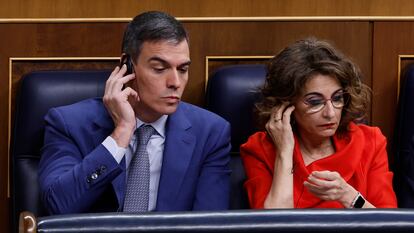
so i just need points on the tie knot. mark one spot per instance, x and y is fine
(143, 133)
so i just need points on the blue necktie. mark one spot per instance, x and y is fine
(137, 191)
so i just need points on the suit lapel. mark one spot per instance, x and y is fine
(178, 150)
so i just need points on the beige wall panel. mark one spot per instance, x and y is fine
(190, 8)
(391, 40)
(267, 38)
(46, 40)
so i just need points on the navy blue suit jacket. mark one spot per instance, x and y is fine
(77, 173)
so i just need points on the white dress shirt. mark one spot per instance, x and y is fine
(155, 149)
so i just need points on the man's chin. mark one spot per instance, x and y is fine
(170, 109)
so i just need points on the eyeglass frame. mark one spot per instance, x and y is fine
(344, 95)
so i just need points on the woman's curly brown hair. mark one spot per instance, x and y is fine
(288, 72)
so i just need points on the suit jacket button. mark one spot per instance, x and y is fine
(94, 176)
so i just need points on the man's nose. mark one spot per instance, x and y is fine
(173, 80)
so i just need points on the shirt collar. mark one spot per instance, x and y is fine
(159, 125)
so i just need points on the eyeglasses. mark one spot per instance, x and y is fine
(316, 102)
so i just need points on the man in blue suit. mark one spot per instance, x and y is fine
(89, 145)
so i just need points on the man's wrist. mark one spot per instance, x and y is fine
(116, 151)
(122, 135)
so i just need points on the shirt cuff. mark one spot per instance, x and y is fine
(113, 148)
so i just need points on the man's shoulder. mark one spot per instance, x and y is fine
(83, 106)
(196, 113)
(84, 110)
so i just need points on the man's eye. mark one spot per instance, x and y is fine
(158, 70)
(183, 70)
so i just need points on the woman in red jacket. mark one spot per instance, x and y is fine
(313, 154)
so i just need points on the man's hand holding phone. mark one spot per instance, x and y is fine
(117, 101)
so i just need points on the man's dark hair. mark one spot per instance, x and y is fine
(151, 26)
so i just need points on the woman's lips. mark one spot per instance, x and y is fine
(330, 125)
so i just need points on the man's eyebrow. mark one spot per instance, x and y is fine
(165, 63)
(158, 59)
(185, 64)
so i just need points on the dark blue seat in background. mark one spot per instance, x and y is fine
(231, 93)
(39, 91)
(403, 165)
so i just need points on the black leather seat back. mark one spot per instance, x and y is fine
(404, 142)
(231, 93)
(241, 221)
(39, 91)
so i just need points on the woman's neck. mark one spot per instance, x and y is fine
(314, 149)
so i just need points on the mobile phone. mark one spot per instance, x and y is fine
(126, 59)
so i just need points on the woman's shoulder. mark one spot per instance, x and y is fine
(258, 149)
(258, 136)
(255, 139)
(366, 131)
(258, 143)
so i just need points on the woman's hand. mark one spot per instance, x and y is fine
(279, 128)
(330, 186)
